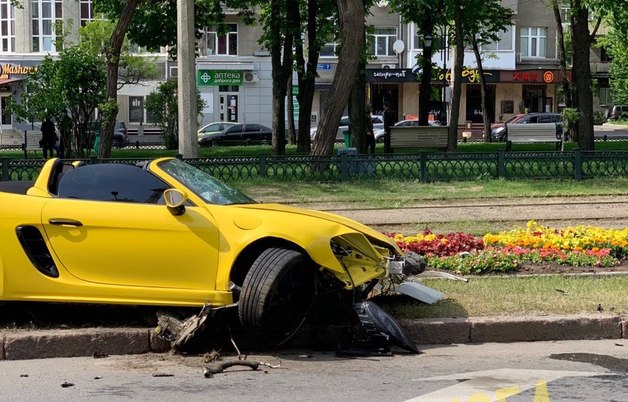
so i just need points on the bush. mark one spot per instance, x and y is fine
(599, 118)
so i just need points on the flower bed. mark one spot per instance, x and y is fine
(507, 251)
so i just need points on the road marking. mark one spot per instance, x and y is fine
(497, 385)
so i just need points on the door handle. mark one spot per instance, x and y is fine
(64, 222)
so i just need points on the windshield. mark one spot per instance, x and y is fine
(207, 187)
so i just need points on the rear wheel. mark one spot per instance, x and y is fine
(277, 294)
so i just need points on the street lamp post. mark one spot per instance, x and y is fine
(444, 52)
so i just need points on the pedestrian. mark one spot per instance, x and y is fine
(390, 118)
(370, 135)
(48, 137)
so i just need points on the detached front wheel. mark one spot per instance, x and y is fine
(277, 294)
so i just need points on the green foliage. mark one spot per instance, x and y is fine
(162, 104)
(570, 117)
(154, 23)
(94, 37)
(477, 263)
(68, 89)
(618, 49)
(598, 118)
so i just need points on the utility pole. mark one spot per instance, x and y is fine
(186, 77)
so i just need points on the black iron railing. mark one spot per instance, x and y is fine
(424, 167)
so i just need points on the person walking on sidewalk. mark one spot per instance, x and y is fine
(390, 118)
(48, 137)
(370, 134)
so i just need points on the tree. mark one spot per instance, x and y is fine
(351, 21)
(483, 20)
(320, 29)
(281, 17)
(132, 69)
(562, 53)
(617, 44)
(582, 40)
(162, 105)
(68, 89)
(112, 55)
(457, 9)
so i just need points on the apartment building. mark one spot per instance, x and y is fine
(233, 71)
(234, 74)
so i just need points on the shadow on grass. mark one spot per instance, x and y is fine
(405, 307)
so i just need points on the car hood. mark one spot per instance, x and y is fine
(329, 217)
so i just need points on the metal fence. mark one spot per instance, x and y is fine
(424, 167)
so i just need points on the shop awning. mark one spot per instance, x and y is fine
(5, 81)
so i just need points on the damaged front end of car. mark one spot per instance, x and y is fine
(344, 272)
(363, 260)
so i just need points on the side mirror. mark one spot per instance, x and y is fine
(175, 200)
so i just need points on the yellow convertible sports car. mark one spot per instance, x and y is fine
(166, 233)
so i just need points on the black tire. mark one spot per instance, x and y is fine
(277, 294)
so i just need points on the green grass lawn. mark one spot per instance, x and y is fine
(255, 150)
(539, 295)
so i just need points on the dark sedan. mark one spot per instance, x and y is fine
(239, 134)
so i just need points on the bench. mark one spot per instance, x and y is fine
(533, 133)
(418, 137)
(31, 142)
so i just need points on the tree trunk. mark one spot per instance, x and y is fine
(452, 138)
(483, 90)
(351, 15)
(282, 69)
(425, 91)
(290, 109)
(306, 74)
(562, 57)
(582, 70)
(357, 103)
(110, 112)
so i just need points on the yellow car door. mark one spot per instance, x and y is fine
(133, 244)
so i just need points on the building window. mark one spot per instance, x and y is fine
(381, 41)
(329, 50)
(87, 12)
(7, 26)
(504, 42)
(533, 41)
(47, 19)
(605, 97)
(222, 41)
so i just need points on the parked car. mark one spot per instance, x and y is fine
(214, 127)
(499, 131)
(182, 238)
(238, 134)
(378, 123)
(120, 135)
(617, 112)
(415, 123)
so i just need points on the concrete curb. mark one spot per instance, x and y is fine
(119, 341)
(516, 329)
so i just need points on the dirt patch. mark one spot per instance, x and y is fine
(553, 269)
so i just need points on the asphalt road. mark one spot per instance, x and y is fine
(543, 371)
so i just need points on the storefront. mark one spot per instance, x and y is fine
(10, 77)
(509, 92)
